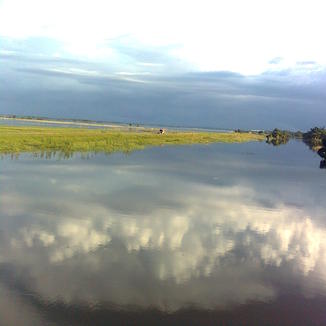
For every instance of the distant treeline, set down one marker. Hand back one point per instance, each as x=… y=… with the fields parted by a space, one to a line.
x=314 y=138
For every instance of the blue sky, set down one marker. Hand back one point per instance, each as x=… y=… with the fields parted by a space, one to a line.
x=228 y=64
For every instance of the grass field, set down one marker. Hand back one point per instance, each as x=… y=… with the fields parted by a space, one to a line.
x=15 y=140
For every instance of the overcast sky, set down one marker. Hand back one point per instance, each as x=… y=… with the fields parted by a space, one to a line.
x=227 y=64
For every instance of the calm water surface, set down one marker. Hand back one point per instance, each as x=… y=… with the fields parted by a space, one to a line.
x=196 y=235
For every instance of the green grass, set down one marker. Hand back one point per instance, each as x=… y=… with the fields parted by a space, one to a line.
x=15 y=140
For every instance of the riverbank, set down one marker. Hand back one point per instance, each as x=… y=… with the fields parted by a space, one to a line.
x=17 y=139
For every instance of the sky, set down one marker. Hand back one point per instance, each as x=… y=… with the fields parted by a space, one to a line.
x=221 y=64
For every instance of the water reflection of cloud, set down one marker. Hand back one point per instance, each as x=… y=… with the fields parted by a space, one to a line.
x=27 y=315
x=194 y=242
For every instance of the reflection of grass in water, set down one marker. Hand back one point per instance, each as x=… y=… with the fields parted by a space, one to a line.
x=48 y=140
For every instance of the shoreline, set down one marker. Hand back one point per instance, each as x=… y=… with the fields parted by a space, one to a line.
x=111 y=125
x=62 y=122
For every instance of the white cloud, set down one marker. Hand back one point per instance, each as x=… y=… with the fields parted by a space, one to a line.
x=239 y=36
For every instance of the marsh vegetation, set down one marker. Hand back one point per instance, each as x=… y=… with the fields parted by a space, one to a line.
x=15 y=139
